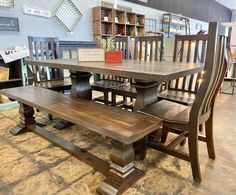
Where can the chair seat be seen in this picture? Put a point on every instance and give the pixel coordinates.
(106, 84)
(126, 90)
(56, 85)
(168, 111)
(182, 97)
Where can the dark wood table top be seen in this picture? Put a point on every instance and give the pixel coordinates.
(143, 70)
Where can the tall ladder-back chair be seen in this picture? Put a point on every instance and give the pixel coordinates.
(185, 120)
(108, 82)
(147, 48)
(187, 48)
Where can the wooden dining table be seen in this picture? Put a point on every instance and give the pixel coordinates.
(147, 75)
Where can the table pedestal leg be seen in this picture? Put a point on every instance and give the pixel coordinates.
(80, 89)
(80, 85)
(146, 94)
(123, 173)
(26, 119)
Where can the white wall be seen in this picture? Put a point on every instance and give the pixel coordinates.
(38, 26)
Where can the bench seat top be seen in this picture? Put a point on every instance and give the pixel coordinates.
(121, 125)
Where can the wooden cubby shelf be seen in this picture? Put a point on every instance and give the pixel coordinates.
(112, 22)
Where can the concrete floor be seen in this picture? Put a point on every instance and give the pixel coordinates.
(30, 165)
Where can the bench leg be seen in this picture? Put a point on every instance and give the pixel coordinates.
(122, 174)
(26, 119)
(140, 149)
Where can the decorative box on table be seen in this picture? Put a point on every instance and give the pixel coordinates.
(114, 56)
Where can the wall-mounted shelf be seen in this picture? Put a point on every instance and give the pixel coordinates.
(112, 22)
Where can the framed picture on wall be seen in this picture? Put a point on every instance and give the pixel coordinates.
(7, 3)
(9, 24)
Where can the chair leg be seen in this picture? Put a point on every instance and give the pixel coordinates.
(50, 117)
(201, 127)
(164, 134)
(113, 98)
(183, 142)
(193, 154)
(209, 137)
(106, 97)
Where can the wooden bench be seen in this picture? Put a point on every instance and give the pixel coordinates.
(125, 128)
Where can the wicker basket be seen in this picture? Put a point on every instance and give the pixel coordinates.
(4, 73)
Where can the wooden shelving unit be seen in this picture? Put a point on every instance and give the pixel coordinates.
(112, 22)
(173, 24)
(15, 74)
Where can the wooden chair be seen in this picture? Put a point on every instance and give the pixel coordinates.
(185, 120)
(148, 48)
(188, 48)
(42, 48)
(108, 82)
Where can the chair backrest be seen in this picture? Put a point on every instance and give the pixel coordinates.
(189, 48)
(214, 71)
(68, 49)
(122, 44)
(149, 48)
(42, 48)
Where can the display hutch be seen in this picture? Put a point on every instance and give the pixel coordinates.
(174, 24)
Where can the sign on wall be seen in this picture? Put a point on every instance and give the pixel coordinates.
(8, 24)
(36, 11)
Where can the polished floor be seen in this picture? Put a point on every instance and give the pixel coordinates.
(30, 165)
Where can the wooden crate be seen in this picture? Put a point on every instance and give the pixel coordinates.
(4, 73)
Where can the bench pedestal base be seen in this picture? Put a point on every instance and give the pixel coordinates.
(111, 186)
(120, 174)
(26, 119)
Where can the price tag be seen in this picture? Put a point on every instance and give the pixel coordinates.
(91, 55)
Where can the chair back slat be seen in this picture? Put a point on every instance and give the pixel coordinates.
(203, 54)
(214, 70)
(219, 69)
(189, 51)
(42, 48)
(181, 51)
(195, 58)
